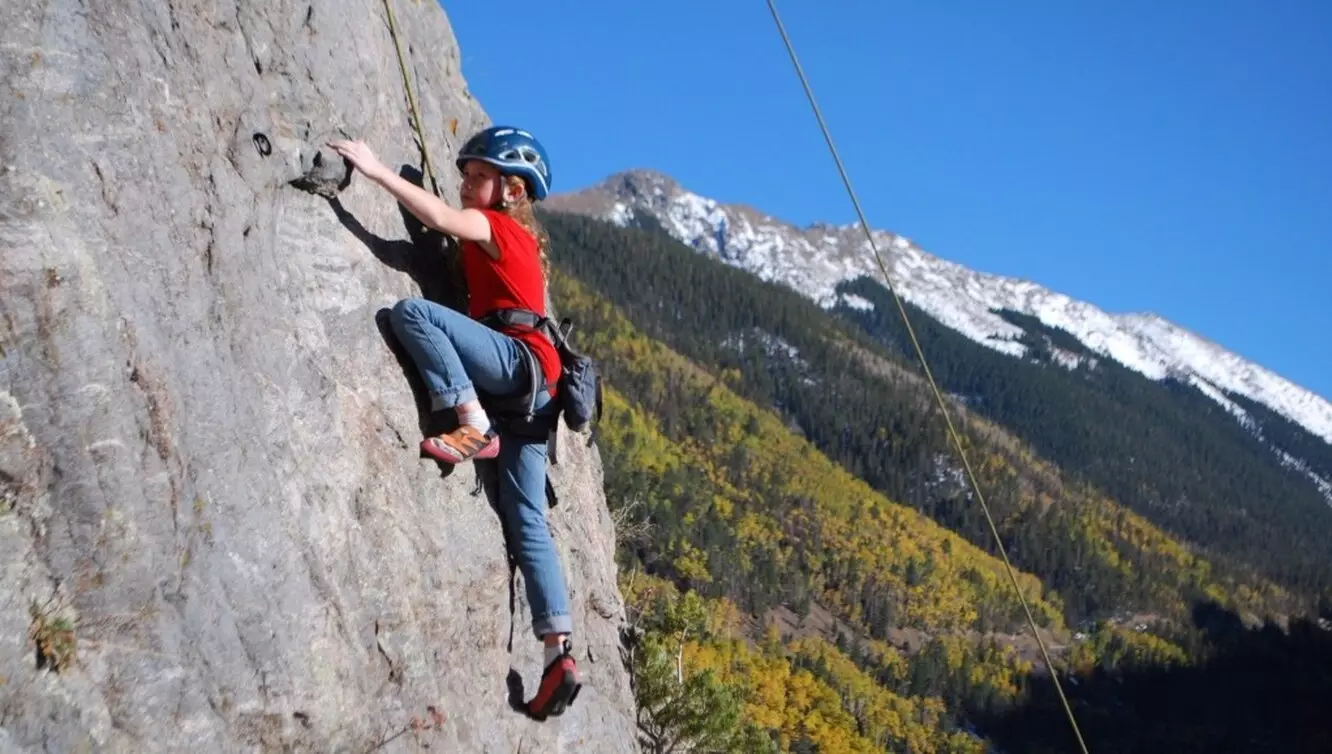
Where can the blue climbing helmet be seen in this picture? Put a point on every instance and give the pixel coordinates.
(515, 152)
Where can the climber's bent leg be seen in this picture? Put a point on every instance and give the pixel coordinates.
(455, 354)
(522, 498)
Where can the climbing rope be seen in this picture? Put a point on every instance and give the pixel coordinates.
(411, 97)
(929, 376)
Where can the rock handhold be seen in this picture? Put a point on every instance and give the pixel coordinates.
(325, 173)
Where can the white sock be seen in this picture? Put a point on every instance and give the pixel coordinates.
(476, 418)
(553, 653)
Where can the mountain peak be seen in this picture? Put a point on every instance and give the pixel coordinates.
(641, 180)
(819, 258)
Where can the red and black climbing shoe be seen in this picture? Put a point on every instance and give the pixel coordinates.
(559, 687)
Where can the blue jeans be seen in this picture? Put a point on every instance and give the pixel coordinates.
(455, 355)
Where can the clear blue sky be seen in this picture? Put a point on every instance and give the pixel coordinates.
(1172, 157)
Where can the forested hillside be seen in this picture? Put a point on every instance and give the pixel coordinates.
(767, 459)
(724, 513)
(1162, 448)
(865, 409)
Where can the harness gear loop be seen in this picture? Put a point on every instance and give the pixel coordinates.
(929, 376)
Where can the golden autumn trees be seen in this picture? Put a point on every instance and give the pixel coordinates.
(804, 694)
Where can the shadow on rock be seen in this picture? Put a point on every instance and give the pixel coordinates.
(429, 257)
(1255, 690)
(429, 422)
(487, 482)
(516, 692)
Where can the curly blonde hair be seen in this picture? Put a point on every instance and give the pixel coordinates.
(523, 212)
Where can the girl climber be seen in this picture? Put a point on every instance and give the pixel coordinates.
(504, 171)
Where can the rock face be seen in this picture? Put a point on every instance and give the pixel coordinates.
(216, 530)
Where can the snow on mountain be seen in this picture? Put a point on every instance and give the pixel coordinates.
(814, 260)
(1324, 485)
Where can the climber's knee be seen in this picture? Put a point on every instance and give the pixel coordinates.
(410, 317)
(407, 310)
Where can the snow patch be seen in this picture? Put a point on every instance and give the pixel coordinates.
(856, 302)
(620, 214)
(1291, 462)
(948, 477)
(1211, 391)
(1071, 361)
(771, 344)
(1247, 421)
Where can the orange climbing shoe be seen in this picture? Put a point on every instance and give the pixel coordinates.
(462, 444)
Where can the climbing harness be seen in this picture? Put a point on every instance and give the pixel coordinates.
(411, 97)
(929, 376)
(579, 384)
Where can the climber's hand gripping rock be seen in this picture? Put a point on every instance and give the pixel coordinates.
(359, 154)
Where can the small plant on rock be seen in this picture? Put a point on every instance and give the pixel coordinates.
(53, 636)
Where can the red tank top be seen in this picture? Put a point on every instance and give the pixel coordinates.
(514, 281)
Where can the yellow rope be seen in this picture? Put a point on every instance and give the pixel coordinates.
(920, 353)
(411, 97)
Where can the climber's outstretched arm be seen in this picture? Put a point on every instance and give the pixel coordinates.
(433, 212)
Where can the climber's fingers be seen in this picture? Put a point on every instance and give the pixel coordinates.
(359, 154)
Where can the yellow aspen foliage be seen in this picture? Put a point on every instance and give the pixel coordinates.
(809, 690)
(692, 563)
(792, 510)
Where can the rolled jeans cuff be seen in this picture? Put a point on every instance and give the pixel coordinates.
(552, 624)
(454, 396)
